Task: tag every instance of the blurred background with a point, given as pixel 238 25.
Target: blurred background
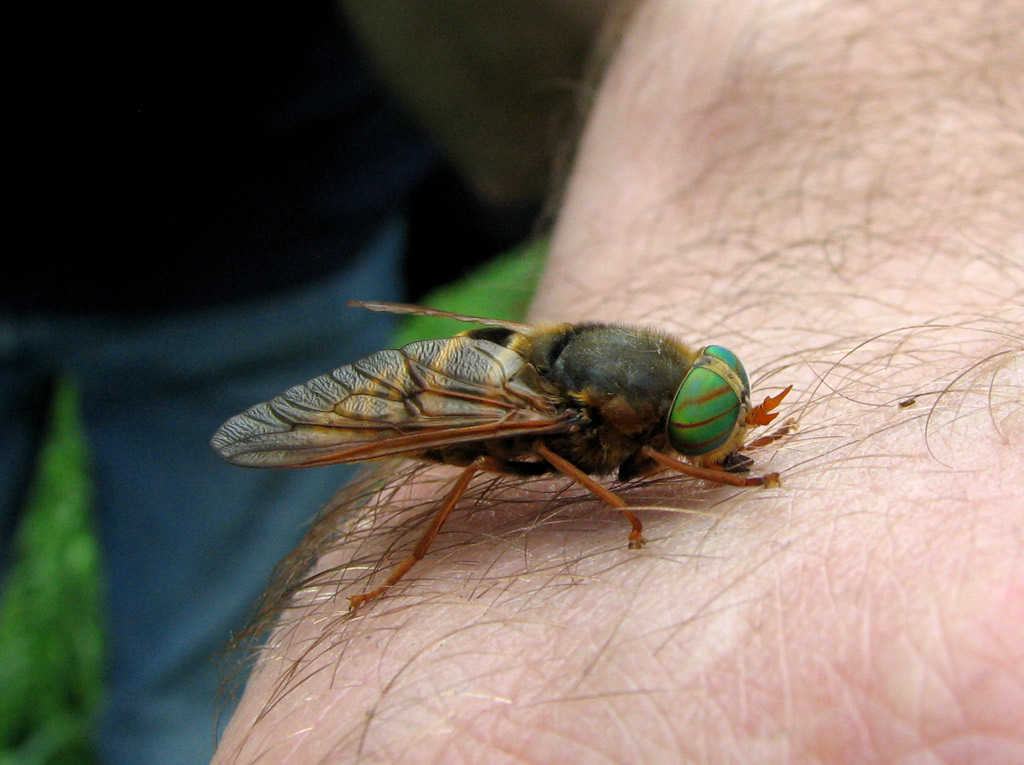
pixel 230 176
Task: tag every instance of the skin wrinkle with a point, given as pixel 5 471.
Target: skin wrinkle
pixel 802 164
pixel 870 607
pixel 535 673
pixel 902 663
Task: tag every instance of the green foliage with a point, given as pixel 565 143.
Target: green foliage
pixel 51 635
pixel 499 289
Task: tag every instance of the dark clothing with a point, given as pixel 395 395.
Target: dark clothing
pixel 221 152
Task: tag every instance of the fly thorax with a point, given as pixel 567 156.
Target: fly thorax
pixel 626 378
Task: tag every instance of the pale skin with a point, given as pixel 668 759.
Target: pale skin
pixel 835 191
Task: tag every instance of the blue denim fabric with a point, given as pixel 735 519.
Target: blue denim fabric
pixel 189 541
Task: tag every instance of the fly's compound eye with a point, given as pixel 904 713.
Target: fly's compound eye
pixel 710 404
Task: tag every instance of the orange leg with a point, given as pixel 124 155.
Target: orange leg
pixel 783 430
pixel 636 538
pixel 710 474
pixel 443 511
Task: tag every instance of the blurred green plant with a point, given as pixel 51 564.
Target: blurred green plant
pixel 500 289
pixel 51 617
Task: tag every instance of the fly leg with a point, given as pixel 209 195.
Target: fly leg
pixel 710 474
pixel 482 463
pixel 443 510
pixel 768 438
pixel 636 537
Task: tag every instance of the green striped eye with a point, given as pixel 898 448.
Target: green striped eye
pixel 709 404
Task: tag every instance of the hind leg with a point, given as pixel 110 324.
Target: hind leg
pixel 444 509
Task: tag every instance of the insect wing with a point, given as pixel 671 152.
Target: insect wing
pixel 407 309
pixel 424 396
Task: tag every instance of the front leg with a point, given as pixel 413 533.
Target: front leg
pixel 718 475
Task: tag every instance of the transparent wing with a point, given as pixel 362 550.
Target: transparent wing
pixel 407 309
pixel 426 395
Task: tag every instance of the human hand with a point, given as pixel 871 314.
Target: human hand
pixel 834 192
